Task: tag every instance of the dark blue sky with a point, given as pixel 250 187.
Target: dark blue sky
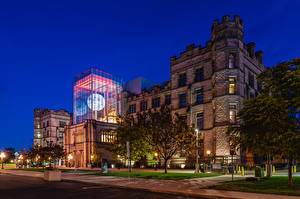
pixel 44 44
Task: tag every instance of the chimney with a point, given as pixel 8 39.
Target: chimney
pixel 251 49
pixel 259 56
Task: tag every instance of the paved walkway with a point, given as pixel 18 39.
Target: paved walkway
pixel 191 187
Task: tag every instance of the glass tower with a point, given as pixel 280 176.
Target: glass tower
pixel 96 95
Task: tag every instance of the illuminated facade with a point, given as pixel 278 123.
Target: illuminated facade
pixel 96 95
pixel 96 106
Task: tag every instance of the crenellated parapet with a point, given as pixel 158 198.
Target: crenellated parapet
pixel 227 28
pixel 39 112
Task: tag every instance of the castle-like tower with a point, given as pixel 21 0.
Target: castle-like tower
pixel 208 84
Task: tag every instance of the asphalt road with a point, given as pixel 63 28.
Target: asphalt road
pixel 21 187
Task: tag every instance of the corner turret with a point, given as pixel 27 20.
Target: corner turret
pixel 227 28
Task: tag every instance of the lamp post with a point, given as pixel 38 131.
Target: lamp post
pixel 197 151
pixel 92 160
pixel 69 159
pixel 155 156
pixel 208 152
pixel 2 157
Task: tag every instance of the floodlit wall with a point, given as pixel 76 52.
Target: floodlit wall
pixel 96 95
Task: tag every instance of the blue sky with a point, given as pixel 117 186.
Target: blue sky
pixel 44 44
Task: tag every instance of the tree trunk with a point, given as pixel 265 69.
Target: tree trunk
pixel 291 184
pixel 268 167
pixel 165 165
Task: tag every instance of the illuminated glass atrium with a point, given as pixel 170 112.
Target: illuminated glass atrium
pixel 96 95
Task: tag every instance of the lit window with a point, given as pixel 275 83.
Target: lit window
pixel 232 85
pixel 231 62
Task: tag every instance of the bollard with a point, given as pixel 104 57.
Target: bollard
pixel 274 169
pixel 239 169
pixel 243 171
pixel 295 168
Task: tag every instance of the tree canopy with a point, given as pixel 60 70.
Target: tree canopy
pixel 269 123
pixel 167 133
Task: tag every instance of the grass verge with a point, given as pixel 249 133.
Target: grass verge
pixel 160 176
pixel 273 185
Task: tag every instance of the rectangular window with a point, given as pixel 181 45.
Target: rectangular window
pixel 183 118
pixel 168 99
pixel 199 94
pixel 132 108
pixel 144 106
pixel 232 85
pixel 62 124
pixel 200 121
pixel 251 80
pixel 182 100
pixel 182 80
pixel 47 123
pixel 231 62
pixel 156 102
pixel 199 75
pixel 232 113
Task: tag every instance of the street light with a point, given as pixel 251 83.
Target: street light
pixel 197 151
pixel 155 156
pixel 208 152
pixel 92 158
pixel 2 157
pixel 70 158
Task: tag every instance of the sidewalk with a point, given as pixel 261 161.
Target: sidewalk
pixel 191 187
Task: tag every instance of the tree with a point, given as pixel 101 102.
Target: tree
pixel 10 154
pixel 51 154
pixel 167 133
pixel 96 156
pixel 129 129
pixel 270 122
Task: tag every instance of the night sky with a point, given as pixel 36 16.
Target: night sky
pixel 44 44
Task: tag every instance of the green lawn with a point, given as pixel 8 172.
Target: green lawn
pixel 274 185
pixel 42 170
pixel 160 176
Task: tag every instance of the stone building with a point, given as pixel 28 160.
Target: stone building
pixel 207 84
pixel 96 105
pixel 81 138
pixel 49 126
